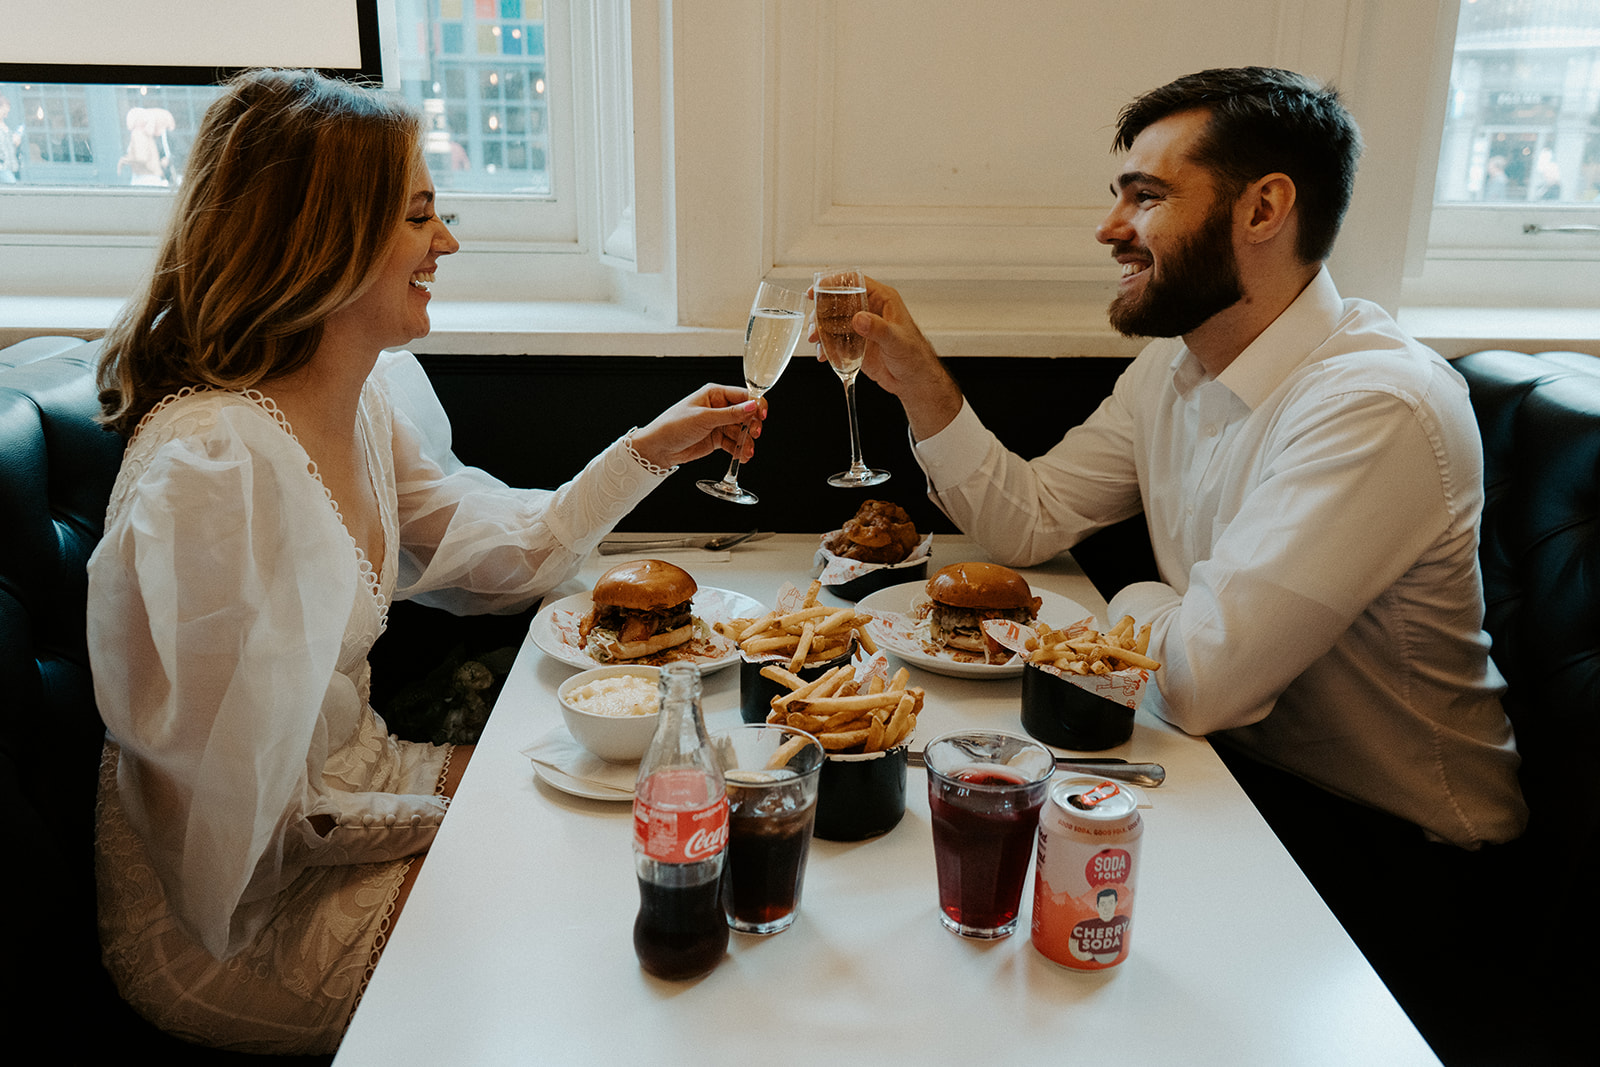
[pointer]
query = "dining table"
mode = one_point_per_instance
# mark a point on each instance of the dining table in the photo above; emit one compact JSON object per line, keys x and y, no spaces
{"x":515,"y":946}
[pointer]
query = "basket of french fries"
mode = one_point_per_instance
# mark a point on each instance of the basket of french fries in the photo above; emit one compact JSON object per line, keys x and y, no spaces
{"x":803,"y":637}
{"x":1080,"y":685}
{"x":864,"y":720}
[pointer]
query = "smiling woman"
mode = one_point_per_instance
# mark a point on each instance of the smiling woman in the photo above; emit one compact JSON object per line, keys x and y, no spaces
{"x":284,"y":480}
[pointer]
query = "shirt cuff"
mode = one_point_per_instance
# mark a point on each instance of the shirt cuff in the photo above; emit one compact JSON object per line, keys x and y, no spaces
{"x":1143,"y":600}
{"x":958,"y":450}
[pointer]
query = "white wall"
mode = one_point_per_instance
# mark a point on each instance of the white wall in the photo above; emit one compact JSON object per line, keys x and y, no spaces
{"x":961,"y":151}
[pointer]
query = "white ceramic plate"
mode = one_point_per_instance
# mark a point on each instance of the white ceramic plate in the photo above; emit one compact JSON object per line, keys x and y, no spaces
{"x":577,"y":786}
{"x":555,"y":630}
{"x":562,"y":763}
{"x":908,"y":639}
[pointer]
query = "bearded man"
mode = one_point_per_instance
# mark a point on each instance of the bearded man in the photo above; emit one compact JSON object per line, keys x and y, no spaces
{"x":1310,"y":475}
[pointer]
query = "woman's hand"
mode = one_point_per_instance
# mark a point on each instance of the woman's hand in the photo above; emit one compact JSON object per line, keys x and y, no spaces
{"x":712,"y":417}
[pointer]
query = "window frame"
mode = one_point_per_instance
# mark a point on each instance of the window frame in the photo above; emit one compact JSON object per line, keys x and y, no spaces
{"x":89,"y":241}
{"x":1493,"y":254}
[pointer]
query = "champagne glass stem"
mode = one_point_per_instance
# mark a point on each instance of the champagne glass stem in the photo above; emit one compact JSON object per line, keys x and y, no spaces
{"x":731,"y":479}
{"x":857,"y":465}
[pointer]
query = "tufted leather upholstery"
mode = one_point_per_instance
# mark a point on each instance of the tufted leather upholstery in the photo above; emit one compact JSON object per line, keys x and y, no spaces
{"x":57,"y":467}
{"x":1540,"y":420}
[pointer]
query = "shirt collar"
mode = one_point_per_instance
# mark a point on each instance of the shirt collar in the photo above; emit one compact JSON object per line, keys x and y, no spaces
{"x":1302,"y":327}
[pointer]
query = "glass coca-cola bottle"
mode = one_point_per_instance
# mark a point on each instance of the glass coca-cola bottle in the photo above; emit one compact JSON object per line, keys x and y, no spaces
{"x":680,"y":837}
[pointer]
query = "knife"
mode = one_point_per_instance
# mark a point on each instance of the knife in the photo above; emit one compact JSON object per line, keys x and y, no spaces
{"x":1149,"y":775}
{"x":614,"y":546}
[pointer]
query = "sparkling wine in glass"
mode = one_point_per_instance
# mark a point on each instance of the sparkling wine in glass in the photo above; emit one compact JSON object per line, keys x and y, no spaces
{"x":777,"y":322}
{"x":839,"y":294}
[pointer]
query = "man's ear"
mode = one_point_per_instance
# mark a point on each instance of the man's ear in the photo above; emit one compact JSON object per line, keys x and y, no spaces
{"x":1267,"y":207}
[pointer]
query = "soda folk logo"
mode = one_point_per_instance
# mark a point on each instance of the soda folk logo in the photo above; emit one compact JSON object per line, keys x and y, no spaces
{"x":1109,"y":866}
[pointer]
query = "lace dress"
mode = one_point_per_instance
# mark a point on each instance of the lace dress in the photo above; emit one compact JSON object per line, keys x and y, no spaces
{"x":230,"y":620}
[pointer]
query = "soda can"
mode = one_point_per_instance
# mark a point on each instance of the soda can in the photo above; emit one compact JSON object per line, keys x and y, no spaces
{"x":1088,"y":859}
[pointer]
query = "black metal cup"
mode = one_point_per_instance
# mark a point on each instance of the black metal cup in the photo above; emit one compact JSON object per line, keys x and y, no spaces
{"x":861,"y":795}
{"x":1068,"y":716}
{"x":883,"y":577}
{"x":756,"y":692}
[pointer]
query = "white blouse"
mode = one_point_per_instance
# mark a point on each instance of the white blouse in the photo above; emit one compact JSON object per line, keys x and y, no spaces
{"x":219,"y":600}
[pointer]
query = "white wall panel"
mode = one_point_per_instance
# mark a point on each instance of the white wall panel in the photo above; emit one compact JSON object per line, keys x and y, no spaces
{"x":961,"y":151}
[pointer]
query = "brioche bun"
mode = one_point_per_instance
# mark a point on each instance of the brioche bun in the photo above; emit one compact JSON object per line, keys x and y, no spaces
{"x":980,"y":585}
{"x":644,"y":585}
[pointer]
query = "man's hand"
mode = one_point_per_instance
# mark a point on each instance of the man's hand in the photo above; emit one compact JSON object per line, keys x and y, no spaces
{"x":901,"y":360}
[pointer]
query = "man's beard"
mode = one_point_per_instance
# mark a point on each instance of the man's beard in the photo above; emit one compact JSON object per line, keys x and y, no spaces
{"x":1195,"y":282}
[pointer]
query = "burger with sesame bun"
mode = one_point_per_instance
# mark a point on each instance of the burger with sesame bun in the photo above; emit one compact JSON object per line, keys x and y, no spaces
{"x":640,"y":608}
{"x":963,"y":595}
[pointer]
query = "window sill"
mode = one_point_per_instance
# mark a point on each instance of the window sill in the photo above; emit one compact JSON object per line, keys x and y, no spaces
{"x":1455,"y":331}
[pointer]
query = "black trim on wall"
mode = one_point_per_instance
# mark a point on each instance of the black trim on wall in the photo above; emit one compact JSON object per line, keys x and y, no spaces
{"x":535,"y":421}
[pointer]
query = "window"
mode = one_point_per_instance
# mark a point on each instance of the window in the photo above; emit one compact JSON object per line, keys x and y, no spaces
{"x":1523,"y":119}
{"x":475,"y":68}
{"x":478,"y":71}
{"x":92,"y":167}
{"x":1516,"y":200}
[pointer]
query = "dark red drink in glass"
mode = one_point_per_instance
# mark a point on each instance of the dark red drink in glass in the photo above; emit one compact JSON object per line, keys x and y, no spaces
{"x":984,"y":796}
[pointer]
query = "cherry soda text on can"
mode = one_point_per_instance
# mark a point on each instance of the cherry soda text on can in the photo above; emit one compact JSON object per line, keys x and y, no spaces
{"x":1088,"y":860}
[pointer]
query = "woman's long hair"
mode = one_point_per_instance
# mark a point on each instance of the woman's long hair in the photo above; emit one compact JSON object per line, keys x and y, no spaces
{"x":290,"y":197}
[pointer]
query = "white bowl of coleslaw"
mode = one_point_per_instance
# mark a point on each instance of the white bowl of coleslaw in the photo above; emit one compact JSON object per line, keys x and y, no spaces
{"x":612,"y":711}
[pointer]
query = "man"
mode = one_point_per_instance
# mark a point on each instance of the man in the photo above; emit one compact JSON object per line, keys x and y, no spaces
{"x":1310,"y":475}
{"x":1311,"y":478}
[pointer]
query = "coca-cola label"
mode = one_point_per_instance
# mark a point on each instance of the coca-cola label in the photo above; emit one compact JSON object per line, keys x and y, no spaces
{"x":675,"y":821}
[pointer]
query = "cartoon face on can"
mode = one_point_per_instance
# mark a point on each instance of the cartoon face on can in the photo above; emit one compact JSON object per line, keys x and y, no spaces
{"x":1088,"y":859}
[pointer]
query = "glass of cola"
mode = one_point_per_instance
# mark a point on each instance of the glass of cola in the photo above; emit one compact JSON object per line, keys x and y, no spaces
{"x":771,"y":774}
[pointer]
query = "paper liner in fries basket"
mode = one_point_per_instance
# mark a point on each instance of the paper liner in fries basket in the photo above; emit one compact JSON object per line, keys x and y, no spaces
{"x":1112,"y":665}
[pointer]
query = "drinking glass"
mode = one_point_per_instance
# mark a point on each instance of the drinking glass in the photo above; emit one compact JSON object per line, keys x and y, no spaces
{"x":771,"y":774}
{"x":777,"y":322}
{"x":839,"y":294}
{"x":985,"y":789}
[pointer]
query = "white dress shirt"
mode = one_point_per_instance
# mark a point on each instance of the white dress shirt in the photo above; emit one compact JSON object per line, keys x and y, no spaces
{"x":1314,"y":513}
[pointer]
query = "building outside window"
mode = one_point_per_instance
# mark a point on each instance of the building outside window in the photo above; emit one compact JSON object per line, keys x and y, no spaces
{"x":475,"y":68}
{"x":1523,"y":118}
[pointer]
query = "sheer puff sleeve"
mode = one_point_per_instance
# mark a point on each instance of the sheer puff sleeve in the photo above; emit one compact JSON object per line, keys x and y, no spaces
{"x":218,"y":598}
{"x":469,"y":542}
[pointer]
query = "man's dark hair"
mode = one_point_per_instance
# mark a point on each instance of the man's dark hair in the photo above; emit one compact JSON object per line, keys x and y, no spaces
{"x":1264,"y":120}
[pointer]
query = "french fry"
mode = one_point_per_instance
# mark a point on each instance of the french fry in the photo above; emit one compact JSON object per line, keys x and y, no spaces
{"x":874,"y":742}
{"x":1092,"y":652}
{"x":841,"y":714}
{"x":805,"y":689}
{"x":834,"y":742}
{"x":782,"y":676}
{"x":802,"y":647}
{"x":785,"y":752}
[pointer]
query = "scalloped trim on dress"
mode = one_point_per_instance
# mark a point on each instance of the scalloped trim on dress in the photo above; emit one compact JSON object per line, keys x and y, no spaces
{"x":364,"y":567}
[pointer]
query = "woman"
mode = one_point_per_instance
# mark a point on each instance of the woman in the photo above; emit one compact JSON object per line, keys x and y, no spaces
{"x":258,"y":829}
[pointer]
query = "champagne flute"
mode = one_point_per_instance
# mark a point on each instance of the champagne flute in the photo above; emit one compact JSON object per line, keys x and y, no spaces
{"x":777,"y":322}
{"x":839,"y":294}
